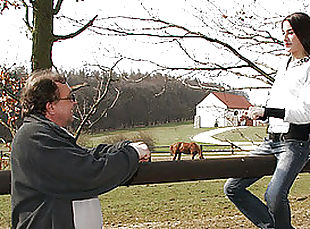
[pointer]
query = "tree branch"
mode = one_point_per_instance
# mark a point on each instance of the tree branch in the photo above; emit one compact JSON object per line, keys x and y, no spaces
{"x":26,"y":19}
{"x":164,"y":88}
{"x":187,"y":34}
{"x":59,"y":37}
{"x":58,"y":7}
{"x":94,"y":106}
{"x":163,"y":67}
{"x":4,"y":4}
{"x":107,"y":109}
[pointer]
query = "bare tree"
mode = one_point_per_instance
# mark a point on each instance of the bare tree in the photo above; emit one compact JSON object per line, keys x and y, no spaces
{"x":43,"y":38}
{"x":86,"y":112}
{"x":39,"y":18}
{"x":243,"y":41}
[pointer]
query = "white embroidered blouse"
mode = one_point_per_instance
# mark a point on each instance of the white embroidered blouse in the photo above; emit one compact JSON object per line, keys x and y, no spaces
{"x":291,"y":91}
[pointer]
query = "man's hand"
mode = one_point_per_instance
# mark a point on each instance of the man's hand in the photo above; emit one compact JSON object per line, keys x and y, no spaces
{"x":142,"y":149}
{"x":256,"y":112}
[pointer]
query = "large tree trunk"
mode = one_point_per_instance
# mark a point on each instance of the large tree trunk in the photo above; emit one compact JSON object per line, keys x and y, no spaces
{"x":42,"y":34}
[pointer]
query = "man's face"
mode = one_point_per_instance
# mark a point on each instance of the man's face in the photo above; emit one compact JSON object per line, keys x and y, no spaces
{"x":61,"y":111}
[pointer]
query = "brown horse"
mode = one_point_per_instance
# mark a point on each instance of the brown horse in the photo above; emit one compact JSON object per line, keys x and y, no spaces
{"x":187,"y":148}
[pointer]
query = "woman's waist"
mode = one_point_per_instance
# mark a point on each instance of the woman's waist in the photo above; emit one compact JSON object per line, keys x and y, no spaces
{"x":295,"y":131}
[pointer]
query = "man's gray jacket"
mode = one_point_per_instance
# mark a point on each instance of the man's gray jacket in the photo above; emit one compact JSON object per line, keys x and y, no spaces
{"x":49,"y":171}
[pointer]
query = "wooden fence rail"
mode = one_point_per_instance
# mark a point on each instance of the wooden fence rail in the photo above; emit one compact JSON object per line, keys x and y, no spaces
{"x":190,"y":170}
{"x":4,"y":159}
{"x":204,"y":148}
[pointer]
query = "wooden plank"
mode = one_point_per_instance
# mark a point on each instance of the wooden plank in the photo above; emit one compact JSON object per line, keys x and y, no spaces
{"x":210,"y":168}
{"x":5,"y":181}
{"x":190,"y":170}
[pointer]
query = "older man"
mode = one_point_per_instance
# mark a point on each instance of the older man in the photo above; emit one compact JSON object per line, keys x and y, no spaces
{"x":55,"y":182}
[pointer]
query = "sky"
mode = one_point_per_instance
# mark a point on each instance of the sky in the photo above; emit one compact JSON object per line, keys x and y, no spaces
{"x":90,"y":48}
{"x":73,"y":53}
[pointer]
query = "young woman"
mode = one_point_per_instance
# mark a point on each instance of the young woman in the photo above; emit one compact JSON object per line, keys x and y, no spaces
{"x":288,"y":111}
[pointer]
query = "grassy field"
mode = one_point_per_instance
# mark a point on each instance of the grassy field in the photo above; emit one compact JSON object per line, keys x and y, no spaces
{"x":190,"y":205}
{"x":255,"y":134}
{"x":163,"y":135}
{"x":170,"y":133}
{"x":199,"y":204}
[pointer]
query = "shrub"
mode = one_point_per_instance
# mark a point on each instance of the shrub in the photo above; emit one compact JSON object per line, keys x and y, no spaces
{"x":139,"y":137}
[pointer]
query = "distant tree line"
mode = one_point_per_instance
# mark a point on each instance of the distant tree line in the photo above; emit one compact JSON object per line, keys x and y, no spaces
{"x":154,"y":100}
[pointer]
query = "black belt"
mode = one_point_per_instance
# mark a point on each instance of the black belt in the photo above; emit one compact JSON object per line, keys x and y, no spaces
{"x":296,"y":131}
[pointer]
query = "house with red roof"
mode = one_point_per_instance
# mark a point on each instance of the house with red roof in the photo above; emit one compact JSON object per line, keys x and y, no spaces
{"x":222,"y":109}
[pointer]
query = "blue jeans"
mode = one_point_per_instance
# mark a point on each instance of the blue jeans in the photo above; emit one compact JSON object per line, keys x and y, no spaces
{"x":292,"y":155}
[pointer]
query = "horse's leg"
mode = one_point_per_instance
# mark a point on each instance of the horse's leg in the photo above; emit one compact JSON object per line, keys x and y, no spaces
{"x":179,"y":156}
{"x":175,"y":156}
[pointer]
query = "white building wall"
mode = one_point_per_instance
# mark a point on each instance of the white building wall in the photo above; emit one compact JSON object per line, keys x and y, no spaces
{"x":209,"y":111}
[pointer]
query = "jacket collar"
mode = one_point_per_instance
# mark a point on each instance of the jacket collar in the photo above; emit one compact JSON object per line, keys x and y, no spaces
{"x":59,"y":130}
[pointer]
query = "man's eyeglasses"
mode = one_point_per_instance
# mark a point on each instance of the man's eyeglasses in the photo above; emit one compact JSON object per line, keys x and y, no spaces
{"x":70,"y":97}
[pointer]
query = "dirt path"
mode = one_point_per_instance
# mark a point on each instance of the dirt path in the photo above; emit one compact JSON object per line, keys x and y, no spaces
{"x":206,"y":137}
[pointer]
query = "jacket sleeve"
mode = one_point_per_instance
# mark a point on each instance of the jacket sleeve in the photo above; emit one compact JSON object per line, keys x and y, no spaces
{"x":273,"y":112}
{"x":58,"y":167}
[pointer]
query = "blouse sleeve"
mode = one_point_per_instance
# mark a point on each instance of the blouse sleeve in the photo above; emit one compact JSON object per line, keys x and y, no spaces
{"x":297,"y":110}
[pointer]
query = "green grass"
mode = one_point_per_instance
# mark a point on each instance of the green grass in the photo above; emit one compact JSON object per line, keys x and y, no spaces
{"x":185,"y":202}
{"x":5,"y":212}
{"x":163,"y":135}
{"x":199,"y":204}
{"x":255,"y":134}
{"x":171,"y":133}
{"x":168,"y":134}
{"x":165,"y":202}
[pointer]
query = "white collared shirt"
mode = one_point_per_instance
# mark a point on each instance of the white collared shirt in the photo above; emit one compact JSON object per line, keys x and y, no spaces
{"x":87,"y":214}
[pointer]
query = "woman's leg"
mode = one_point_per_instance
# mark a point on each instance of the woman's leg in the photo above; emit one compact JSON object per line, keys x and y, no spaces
{"x":289,"y":164}
{"x":251,"y":206}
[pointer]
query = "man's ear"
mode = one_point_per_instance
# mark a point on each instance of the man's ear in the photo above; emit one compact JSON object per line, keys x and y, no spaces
{"x":50,"y":108}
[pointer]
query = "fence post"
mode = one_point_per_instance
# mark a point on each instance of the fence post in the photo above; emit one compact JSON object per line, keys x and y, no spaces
{"x":1,"y":155}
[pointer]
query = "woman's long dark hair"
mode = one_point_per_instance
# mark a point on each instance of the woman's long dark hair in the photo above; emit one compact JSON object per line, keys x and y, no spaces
{"x":300,"y":23}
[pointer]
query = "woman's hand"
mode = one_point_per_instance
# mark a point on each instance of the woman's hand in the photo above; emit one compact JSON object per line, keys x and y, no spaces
{"x":256,"y":112}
